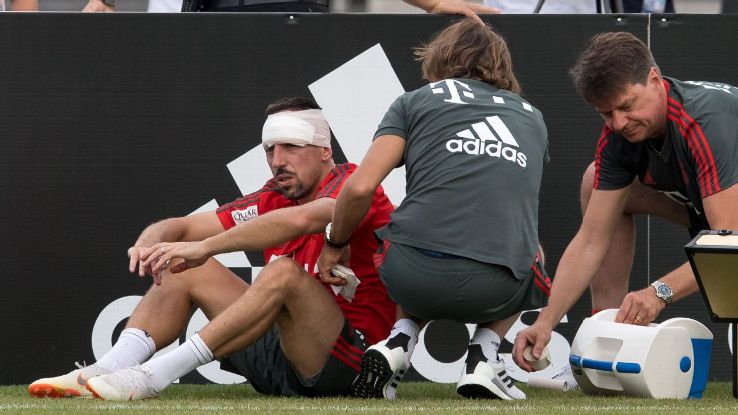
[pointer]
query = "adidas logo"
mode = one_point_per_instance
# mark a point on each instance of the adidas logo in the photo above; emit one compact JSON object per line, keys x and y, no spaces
{"x":481,"y":140}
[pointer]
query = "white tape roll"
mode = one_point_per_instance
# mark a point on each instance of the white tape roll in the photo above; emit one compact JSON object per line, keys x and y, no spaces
{"x":538,"y":364}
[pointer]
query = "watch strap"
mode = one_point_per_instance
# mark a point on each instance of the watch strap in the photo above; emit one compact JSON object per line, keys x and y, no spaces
{"x":334,"y":244}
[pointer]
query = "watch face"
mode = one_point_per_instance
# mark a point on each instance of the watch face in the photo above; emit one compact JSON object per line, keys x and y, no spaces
{"x":663,"y":291}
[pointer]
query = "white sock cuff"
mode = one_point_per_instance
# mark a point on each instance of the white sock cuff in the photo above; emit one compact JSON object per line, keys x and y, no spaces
{"x":140,"y":336}
{"x":407,"y":326}
{"x":485,"y":336}
{"x":202,"y":351}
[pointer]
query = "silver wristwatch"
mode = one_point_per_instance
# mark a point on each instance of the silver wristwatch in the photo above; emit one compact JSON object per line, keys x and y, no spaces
{"x":663,"y":291}
{"x":333,"y":244}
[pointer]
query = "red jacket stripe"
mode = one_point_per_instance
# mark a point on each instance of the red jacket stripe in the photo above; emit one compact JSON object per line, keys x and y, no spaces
{"x":707,"y":172}
{"x":601,"y":143}
{"x":691,"y":130}
{"x":350,"y":349}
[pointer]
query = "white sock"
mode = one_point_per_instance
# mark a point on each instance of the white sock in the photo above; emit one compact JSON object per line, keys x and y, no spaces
{"x":134,"y":346}
{"x":408,"y":327}
{"x":489,"y":340}
{"x":184,"y":359}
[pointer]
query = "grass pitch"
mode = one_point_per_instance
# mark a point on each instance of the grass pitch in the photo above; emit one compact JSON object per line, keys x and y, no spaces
{"x":413,"y":397}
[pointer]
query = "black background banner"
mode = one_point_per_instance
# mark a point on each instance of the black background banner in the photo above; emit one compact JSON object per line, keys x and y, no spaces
{"x":110,"y":122}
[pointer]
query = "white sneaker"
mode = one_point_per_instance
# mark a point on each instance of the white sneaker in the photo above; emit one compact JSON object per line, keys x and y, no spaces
{"x":381,"y":370}
{"x":66,"y":386}
{"x":567,"y":377}
{"x":488,"y":380}
{"x":124,"y":385}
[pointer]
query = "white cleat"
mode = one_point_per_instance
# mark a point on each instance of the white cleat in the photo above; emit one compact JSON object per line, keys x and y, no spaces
{"x":70,"y":385}
{"x":381,"y":370}
{"x":124,"y":385}
{"x":488,"y":380}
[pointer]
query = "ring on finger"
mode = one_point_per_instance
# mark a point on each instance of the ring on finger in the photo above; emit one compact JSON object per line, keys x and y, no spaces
{"x":638,"y":318}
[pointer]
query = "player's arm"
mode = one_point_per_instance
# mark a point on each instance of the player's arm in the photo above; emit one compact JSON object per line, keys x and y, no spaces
{"x":355,"y":199}
{"x":24,"y":5}
{"x":273,"y":228}
{"x":581,"y":260}
{"x":720,"y":210}
{"x":270,"y":229}
{"x":721,"y":214}
{"x":97,"y":6}
{"x":462,"y":7}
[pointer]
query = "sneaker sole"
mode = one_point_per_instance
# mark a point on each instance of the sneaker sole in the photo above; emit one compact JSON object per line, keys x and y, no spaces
{"x":98,"y":396}
{"x":45,"y":390}
{"x":374,"y":377}
{"x":93,"y":392}
{"x":473,"y":389}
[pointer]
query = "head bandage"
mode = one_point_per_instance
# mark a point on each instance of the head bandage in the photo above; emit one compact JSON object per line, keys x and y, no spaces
{"x":296,"y":127}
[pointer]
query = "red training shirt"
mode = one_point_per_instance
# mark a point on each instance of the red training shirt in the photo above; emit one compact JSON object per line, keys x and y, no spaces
{"x":372,"y":312}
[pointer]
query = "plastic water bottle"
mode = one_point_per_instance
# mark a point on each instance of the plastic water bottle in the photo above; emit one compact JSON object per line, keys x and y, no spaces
{"x":653,"y":6}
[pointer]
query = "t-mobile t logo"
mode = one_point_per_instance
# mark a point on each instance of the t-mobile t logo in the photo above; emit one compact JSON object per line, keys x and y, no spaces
{"x":451,"y":87}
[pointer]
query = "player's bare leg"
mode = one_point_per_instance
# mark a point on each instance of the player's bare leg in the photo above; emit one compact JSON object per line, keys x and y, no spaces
{"x":308,"y":318}
{"x":165,"y":309}
{"x":158,"y":320}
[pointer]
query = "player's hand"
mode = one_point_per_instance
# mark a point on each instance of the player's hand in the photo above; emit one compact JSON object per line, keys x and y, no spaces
{"x":97,"y":6}
{"x":159,"y":257}
{"x":538,"y":336}
{"x":640,"y":307}
{"x":329,"y":257}
{"x":135,"y":261}
{"x":466,"y":8}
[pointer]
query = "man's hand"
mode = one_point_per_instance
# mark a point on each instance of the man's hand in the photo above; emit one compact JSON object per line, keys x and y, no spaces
{"x":462,"y":7}
{"x":538,"y":336}
{"x":329,"y":257}
{"x":135,"y":253}
{"x":159,"y":256}
{"x":97,"y":6}
{"x":640,"y":307}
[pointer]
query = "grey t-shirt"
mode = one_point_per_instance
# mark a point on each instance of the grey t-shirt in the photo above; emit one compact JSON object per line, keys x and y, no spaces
{"x":473,"y":160}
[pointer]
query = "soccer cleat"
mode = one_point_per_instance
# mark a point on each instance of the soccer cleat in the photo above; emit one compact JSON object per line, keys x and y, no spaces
{"x":382,"y":367}
{"x":66,"y":386}
{"x":124,"y":385}
{"x":483,"y":379}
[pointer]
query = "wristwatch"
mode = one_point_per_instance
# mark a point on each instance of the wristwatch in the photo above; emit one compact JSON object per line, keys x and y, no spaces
{"x":663,"y":291}
{"x":330,"y":242}
{"x":110,"y":3}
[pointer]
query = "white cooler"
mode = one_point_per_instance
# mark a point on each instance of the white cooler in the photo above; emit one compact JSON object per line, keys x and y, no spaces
{"x":667,"y":360}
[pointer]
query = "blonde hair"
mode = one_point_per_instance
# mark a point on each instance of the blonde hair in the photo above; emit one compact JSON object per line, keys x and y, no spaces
{"x":468,"y":50}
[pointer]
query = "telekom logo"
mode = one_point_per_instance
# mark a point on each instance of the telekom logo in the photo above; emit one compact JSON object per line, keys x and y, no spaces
{"x":451,"y":87}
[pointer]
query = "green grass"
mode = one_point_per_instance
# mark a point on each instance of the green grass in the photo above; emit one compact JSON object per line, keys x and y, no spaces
{"x":413,"y":397}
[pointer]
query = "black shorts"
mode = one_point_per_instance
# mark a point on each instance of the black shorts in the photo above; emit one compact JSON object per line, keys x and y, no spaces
{"x":462,"y":289}
{"x":269,"y":372}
